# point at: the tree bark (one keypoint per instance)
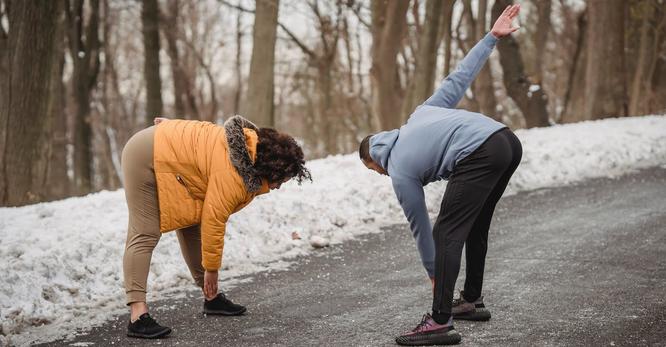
(605, 80)
(639, 88)
(483, 85)
(541, 37)
(421, 84)
(237, 63)
(4, 94)
(84, 50)
(258, 104)
(25, 106)
(388, 28)
(185, 104)
(57, 181)
(445, 33)
(528, 96)
(574, 98)
(151, 67)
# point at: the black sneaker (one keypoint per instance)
(223, 307)
(147, 328)
(474, 311)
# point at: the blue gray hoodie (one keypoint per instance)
(436, 137)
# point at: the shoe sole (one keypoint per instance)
(152, 336)
(481, 315)
(448, 338)
(224, 313)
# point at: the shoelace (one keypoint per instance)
(458, 301)
(149, 321)
(425, 322)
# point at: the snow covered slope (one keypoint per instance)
(61, 262)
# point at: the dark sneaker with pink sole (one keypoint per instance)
(473, 311)
(429, 333)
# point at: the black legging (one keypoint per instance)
(475, 186)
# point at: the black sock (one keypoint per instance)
(467, 298)
(441, 318)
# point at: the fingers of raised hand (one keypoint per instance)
(514, 11)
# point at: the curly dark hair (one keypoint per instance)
(279, 157)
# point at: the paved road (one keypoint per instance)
(583, 265)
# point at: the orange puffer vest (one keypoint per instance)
(204, 174)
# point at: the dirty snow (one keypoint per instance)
(62, 261)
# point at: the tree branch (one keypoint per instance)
(356, 9)
(236, 6)
(291, 35)
(298, 42)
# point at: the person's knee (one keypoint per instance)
(142, 242)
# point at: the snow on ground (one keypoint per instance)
(62, 261)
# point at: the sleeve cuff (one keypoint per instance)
(490, 40)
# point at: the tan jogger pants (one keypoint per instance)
(143, 231)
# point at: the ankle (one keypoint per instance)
(137, 309)
(469, 298)
(442, 319)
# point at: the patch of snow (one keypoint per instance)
(317, 241)
(62, 260)
(533, 88)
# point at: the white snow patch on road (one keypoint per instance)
(62, 261)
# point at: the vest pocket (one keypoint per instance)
(180, 180)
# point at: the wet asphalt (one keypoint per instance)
(583, 265)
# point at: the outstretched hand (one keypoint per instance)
(210, 284)
(503, 24)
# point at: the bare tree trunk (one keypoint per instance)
(483, 85)
(658, 84)
(24, 112)
(185, 105)
(528, 96)
(325, 104)
(150, 14)
(4, 94)
(656, 101)
(605, 80)
(106, 112)
(237, 63)
(466, 40)
(640, 83)
(84, 50)
(258, 105)
(540, 37)
(421, 85)
(57, 181)
(574, 99)
(174, 56)
(445, 33)
(388, 27)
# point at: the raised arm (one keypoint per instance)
(412, 199)
(453, 88)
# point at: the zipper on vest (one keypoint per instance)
(182, 181)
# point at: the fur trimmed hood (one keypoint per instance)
(238, 152)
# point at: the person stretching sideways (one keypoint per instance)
(478, 156)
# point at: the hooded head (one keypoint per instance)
(375, 150)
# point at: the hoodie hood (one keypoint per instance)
(381, 145)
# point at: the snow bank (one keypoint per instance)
(62, 261)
